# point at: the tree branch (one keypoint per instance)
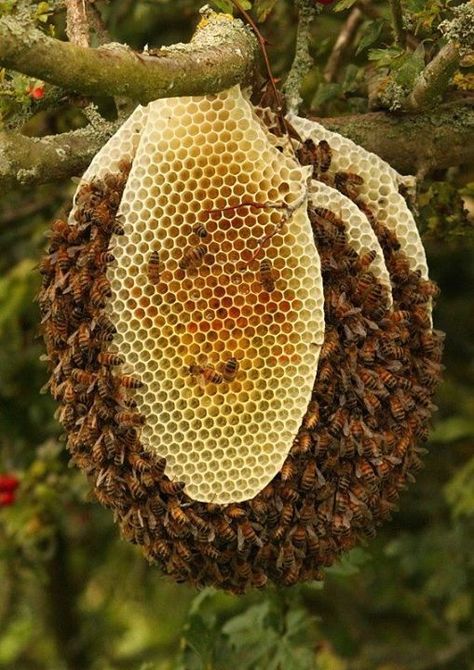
(221, 54)
(397, 22)
(77, 26)
(31, 160)
(438, 139)
(432, 83)
(342, 44)
(302, 62)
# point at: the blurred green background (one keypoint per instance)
(73, 596)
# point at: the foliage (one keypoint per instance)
(73, 595)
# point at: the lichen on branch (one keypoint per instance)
(222, 53)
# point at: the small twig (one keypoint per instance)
(345, 39)
(397, 21)
(97, 24)
(77, 25)
(432, 83)
(302, 62)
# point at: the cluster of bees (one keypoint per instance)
(357, 445)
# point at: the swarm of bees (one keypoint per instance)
(359, 441)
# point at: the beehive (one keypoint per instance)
(132, 351)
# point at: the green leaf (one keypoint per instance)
(411, 67)
(371, 31)
(344, 4)
(263, 8)
(325, 93)
(350, 563)
(223, 5)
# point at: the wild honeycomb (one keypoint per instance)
(360, 234)
(379, 190)
(198, 157)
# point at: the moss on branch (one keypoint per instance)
(439, 138)
(222, 53)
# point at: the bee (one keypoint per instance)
(331, 344)
(171, 487)
(371, 402)
(154, 266)
(387, 378)
(338, 422)
(368, 378)
(100, 291)
(259, 580)
(348, 183)
(311, 417)
(106, 328)
(328, 215)
(129, 418)
(396, 408)
(83, 377)
(324, 155)
(302, 443)
(161, 549)
(371, 217)
(200, 230)
(192, 257)
(325, 372)
(266, 275)
(307, 154)
(235, 512)
(309, 477)
(230, 369)
(288, 470)
(246, 533)
(364, 471)
(177, 513)
(207, 374)
(108, 358)
(299, 536)
(224, 530)
(210, 551)
(129, 382)
(286, 557)
(83, 337)
(365, 260)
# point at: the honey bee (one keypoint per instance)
(207, 374)
(259, 580)
(348, 183)
(299, 536)
(177, 513)
(325, 156)
(396, 408)
(307, 154)
(224, 530)
(288, 470)
(311, 417)
(266, 275)
(83, 377)
(230, 369)
(365, 260)
(106, 328)
(246, 533)
(171, 487)
(302, 443)
(100, 291)
(108, 358)
(371, 402)
(365, 471)
(126, 418)
(387, 378)
(130, 382)
(331, 344)
(200, 230)
(309, 477)
(154, 267)
(338, 422)
(192, 257)
(161, 549)
(83, 337)
(210, 551)
(328, 215)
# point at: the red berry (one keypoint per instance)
(36, 92)
(7, 498)
(8, 483)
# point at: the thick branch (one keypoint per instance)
(221, 54)
(439, 139)
(31, 160)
